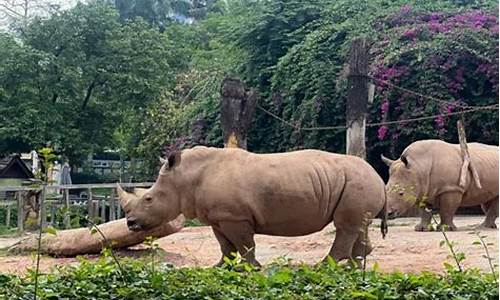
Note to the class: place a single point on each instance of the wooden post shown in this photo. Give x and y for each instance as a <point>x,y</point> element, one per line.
<point>53,211</point>
<point>112,206</point>
<point>357,97</point>
<point>20,213</point>
<point>118,208</point>
<point>67,216</point>
<point>7,218</point>
<point>90,208</point>
<point>237,108</point>
<point>103,209</point>
<point>467,163</point>
<point>41,208</point>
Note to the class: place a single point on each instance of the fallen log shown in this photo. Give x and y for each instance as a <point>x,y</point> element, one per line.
<point>72,242</point>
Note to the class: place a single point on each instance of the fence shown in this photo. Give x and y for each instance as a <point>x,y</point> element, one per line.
<point>104,206</point>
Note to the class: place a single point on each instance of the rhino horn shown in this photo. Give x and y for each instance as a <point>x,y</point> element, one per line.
<point>386,160</point>
<point>163,161</point>
<point>122,195</point>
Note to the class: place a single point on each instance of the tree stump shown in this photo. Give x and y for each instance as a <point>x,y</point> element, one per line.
<point>237,108</point>
<point>357,98</point>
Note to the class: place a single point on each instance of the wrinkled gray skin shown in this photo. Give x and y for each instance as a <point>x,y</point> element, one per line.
<point>428,172</point>
<point>240,194</point>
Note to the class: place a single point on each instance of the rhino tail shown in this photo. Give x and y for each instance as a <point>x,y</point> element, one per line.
<point>384,228</point>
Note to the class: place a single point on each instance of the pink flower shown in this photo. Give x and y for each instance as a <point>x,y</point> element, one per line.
<point>411,33</point>
<point>384,108</point>
<point>439,121</point>
<point>405,9</point>
<point>382,131</point>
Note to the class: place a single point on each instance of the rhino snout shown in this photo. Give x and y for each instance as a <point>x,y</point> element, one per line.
<point>132,224</point>
<point>392,214</point>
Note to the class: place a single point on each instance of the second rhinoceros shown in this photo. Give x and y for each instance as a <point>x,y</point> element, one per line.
<point>240,194</point>
<point>428,174</point>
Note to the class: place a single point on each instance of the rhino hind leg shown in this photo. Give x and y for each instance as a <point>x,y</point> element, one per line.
<point>449,203</point>
<point>226,247</point>
<point>362,247</point>
<point>241,234</point>
<point>343,244</point>
<point>425,221</point>
<point>491,210</point>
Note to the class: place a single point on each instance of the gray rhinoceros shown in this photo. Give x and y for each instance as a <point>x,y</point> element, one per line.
<point>240,194</point>
<point>428,174</point>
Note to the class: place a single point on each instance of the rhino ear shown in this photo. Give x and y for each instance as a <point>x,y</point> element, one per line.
<point>174,159</point>
<point>404,160</point>
<point>386,160</point>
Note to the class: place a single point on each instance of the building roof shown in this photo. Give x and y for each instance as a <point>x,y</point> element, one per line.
<point>13,167</point>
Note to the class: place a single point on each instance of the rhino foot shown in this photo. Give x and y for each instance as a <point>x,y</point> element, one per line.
<point>423,227</point>
<point>447,227</point>
<point>487,225</point>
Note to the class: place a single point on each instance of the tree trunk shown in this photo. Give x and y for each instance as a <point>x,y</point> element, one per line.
<point>79,241</point>
<point>237,108</point>
<point>357,98</point>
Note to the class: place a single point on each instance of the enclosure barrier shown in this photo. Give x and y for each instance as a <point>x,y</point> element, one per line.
<point>102,207</point>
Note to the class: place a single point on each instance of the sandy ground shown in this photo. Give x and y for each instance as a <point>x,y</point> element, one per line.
<point>403,249</point>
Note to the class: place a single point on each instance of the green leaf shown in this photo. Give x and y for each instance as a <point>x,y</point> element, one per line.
<point>363,295</point>
<point>50,230</point>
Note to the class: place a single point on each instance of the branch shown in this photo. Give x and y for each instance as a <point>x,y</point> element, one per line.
<point>10,11</point>
<point>467,164</point>
<point>89,93</point>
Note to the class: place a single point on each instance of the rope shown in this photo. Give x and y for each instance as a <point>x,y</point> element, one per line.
<point>472,109</point>
<point>298,127</point>
<point>415,93</point>
<point>343,127</point>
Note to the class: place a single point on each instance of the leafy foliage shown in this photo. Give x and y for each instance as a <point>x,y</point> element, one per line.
<point>296,54</point>
<point>102,280</point>
<point>71,76</point>
<point>110,79</point>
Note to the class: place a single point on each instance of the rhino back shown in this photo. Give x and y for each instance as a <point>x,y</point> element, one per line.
<point>485,160</point>
<point>287,194</point>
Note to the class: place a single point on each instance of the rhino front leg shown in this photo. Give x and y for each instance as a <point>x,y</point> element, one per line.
<point>425,220</point>
<point>448,205</point>
<point>226,247</point>
<point>240,234</point>
<point>490,208</point>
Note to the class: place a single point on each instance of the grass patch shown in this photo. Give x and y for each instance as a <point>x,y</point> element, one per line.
<point>7,231</point>
<point>193,223</point>
<point>102,280</point>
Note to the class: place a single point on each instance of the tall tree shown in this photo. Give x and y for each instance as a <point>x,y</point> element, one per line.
<point>73,75</point>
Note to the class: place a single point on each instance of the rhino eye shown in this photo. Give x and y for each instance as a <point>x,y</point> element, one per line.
<point>148,199</point>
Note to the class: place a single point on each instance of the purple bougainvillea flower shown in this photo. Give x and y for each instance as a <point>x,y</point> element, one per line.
<point>384,108</point>
<point>382,131</point>
<point>405,9</point>
<point>411,34</point>
<point>439,121</point>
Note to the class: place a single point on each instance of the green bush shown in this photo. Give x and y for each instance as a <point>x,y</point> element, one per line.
<point>102,280</point>
<point>13,216</point>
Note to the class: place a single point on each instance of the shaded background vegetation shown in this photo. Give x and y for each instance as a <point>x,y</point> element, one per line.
<point>141,77</point>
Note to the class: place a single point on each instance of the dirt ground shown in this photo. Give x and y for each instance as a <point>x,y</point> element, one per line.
<point>403,249</point>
